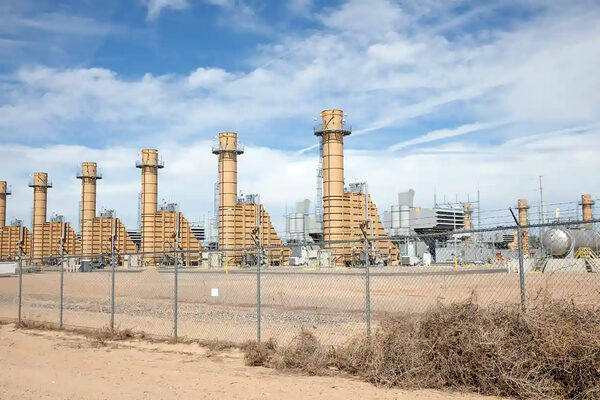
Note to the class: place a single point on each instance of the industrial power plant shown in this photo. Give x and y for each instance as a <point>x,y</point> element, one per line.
<point>345,230</point>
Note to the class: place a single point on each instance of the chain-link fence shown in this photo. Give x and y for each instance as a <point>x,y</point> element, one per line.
<point>241,294</point>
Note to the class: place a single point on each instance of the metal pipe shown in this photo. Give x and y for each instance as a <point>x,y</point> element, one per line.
<point>521,266</point>
<point>62,267</point>
<point>40,185</point>
<point>176,278</point>
<point>367,265</point>
<point>258,268</point>
<point>20,240</point>
<point>88,175</point>
<point>3,193</point>
<point>520,250</point>
<point>112,273</point>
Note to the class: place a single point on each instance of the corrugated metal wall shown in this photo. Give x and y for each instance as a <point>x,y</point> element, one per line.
<point>9,237</point>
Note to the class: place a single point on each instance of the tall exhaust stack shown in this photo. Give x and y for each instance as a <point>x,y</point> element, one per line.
<point>523,208</point>
<point>88,175</point>
<point>227,149</point>
<point>332,133</point>
<point>149,164</point>
<point>467,212</point>
<point>40,185</point>
<point>586,209</point>
<point>4,191</point>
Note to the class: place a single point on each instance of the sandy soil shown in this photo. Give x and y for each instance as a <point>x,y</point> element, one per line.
<point>60,365</point>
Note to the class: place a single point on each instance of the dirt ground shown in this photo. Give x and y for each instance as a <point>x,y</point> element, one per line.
<point>38,364</point>
<point>330,305</point>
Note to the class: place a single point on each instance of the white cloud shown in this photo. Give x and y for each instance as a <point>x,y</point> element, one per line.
<point>365,16</point>
<point>503,173</point>
<point>382,81</point>
<point>300,7</point>
<point>208,77</point>
<point>400,72</point>
<point>155,7</point>
<point>446,133</point>
<point>59,23</point>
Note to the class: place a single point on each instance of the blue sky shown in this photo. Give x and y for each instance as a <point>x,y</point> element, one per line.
<point>449,95</point>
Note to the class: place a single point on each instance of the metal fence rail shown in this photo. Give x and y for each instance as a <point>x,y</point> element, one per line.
<point>505,265</point>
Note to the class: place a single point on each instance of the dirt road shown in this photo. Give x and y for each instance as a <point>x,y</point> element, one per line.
<point>57,365</point>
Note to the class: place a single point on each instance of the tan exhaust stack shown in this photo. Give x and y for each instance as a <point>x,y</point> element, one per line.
<point>149,164</point>
<point>227,149</point>
<point>586,207</point>
<point>332,132</point>
<point>4,191</point>
<point>40,185</point>
<point>467,216</point>
<point>88,175</point>
<point>523,208</point>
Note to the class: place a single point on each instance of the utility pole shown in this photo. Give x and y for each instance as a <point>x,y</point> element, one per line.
<point>478,209</point>
<point>176,277</point>
<point>258,266</point>
<point>541,213</point>
<point>541,201</point>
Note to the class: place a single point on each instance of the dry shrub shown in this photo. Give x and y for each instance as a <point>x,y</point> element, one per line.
<point>257,354</point>
<point>29,324</point>
<point>551,351</point>
<point>304,353</point>
<point>115,334</point>
<point>213,346</point>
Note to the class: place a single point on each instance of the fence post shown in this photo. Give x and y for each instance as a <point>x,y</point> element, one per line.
<point>112,275</point>
<point>367,265</point>
<point>20,251</point>
<point>521,269</point>
<point>62,267</point>
<point>176,279</point>
<point>258,266</point>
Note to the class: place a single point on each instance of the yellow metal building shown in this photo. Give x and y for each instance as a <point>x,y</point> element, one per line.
<point>238,222</point>
<point>343,212</point>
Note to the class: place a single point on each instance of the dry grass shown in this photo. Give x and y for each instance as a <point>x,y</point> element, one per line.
<point>257,354</point>
<point>552,351</point>
<point>104,335</point>
<point>29,324</point>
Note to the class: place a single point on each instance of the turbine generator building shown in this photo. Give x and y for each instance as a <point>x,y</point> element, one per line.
<point>159,227</point>
<point>96,232</point>
<point>47,235</point>
<point>238,219</point>
<point>10,236</point>
<point>344,211</point>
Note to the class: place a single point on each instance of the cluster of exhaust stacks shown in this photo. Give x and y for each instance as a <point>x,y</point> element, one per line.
<point>240,225</point>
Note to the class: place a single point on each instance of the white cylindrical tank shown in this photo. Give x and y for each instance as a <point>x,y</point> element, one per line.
<point>562,241</point>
